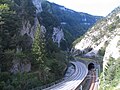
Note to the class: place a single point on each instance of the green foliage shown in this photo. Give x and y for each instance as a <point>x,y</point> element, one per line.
<point>102,51</point>
<point>25,9</point>
<point>22,42</point>
<point>4,8</point>
<point>9,33</point>
<point>77,40</point>
<point>49,21</point>
<point>73,26</point>
<point>38,48</point>
<point>51,47</point>
<point>42,55</point>
<point>45,6</point>
<point>19,81</point>
<point>64,45</point>
<point>60,56</point>
<point>49,64</point>
<point>112,74</point>
<point>4,76</point>
<point>69,39</point>
<point>57,69</point>
<point>9,28</point>
<point>6,60</point>
<point>115,24</point>
<point>112,27</point>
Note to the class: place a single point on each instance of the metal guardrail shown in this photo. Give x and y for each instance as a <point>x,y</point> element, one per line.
<point>49,85</point>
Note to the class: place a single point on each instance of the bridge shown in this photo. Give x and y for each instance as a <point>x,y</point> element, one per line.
<point>72,82</point>
<point>78,78</point>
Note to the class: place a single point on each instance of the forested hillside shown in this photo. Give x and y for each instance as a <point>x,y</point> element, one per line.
<point>34,39</point>
<point>27,58</point>
<point>74,24</point>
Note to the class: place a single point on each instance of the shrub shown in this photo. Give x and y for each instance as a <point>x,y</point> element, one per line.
<point>4,76</point>
<point>102,51</point>
<point>112,74</point>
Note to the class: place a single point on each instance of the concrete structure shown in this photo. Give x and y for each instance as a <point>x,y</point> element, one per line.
<point>72,82</point>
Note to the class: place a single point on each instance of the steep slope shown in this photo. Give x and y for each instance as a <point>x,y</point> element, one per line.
<point>103,39</point>
<point>100,34</point>
<point>30,45</point>
<point>73,24</point>
<point>28,56</point>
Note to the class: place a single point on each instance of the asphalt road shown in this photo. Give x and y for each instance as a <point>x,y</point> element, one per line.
<point>72,82</point>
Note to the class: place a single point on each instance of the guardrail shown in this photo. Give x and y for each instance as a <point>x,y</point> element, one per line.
<point>72,82</point>
<point>51,84</point>
<point>48,85</point>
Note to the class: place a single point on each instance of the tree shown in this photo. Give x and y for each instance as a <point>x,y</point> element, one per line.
<point>38,50</point>
<point>26,10</point>
<point>112,74</point>
<point>38,47</point>
<point>9,31</point>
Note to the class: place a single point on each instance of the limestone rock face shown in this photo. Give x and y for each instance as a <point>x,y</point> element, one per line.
<point>112,50</point>
<point>29,29</point>
<point>43,29</point>
<point>100,35</point>
<point>20,66</point>
<point>37,4</point>
<point>103,40</point>
<point>58,35</point>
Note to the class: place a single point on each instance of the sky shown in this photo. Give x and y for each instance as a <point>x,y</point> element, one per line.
<point>93,7</point>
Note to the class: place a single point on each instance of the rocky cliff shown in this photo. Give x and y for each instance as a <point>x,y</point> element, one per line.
<point>72,23</point>
<point>29,46</point>
<point>103,39</point>
<point>57,29</point>
<point>100,35</point>
<point>28,29</point>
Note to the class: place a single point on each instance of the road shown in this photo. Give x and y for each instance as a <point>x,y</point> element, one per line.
<point>72,82</point>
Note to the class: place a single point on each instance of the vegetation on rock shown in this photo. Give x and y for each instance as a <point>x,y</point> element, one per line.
<point>46,59</point>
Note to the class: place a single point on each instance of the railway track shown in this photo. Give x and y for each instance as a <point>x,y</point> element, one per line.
<point>92,86</point>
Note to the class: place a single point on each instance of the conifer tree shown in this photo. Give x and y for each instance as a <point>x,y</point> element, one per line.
<point>38,50</point>
<point>9,31</point>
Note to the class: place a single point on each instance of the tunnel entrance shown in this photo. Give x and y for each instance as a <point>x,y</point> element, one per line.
<point>91,66</point>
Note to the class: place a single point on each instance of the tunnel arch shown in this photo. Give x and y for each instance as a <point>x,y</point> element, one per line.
<point>91,66</point>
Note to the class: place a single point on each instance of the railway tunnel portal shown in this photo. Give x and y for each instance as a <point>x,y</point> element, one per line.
<point>91,66</point>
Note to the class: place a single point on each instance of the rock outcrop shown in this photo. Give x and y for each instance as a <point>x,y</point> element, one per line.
<point>112,50</point>
<point>21,67</point>
<point>100,35</point>
<point>27,27</point>
<point>58,35</point>
<point>103,40</point>
<point>37,4</point>
<point>29,30</point>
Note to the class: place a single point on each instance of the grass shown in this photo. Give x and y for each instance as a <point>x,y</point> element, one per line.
<point>85,59</point>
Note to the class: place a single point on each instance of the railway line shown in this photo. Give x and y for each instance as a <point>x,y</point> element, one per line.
<point>92,86</point>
